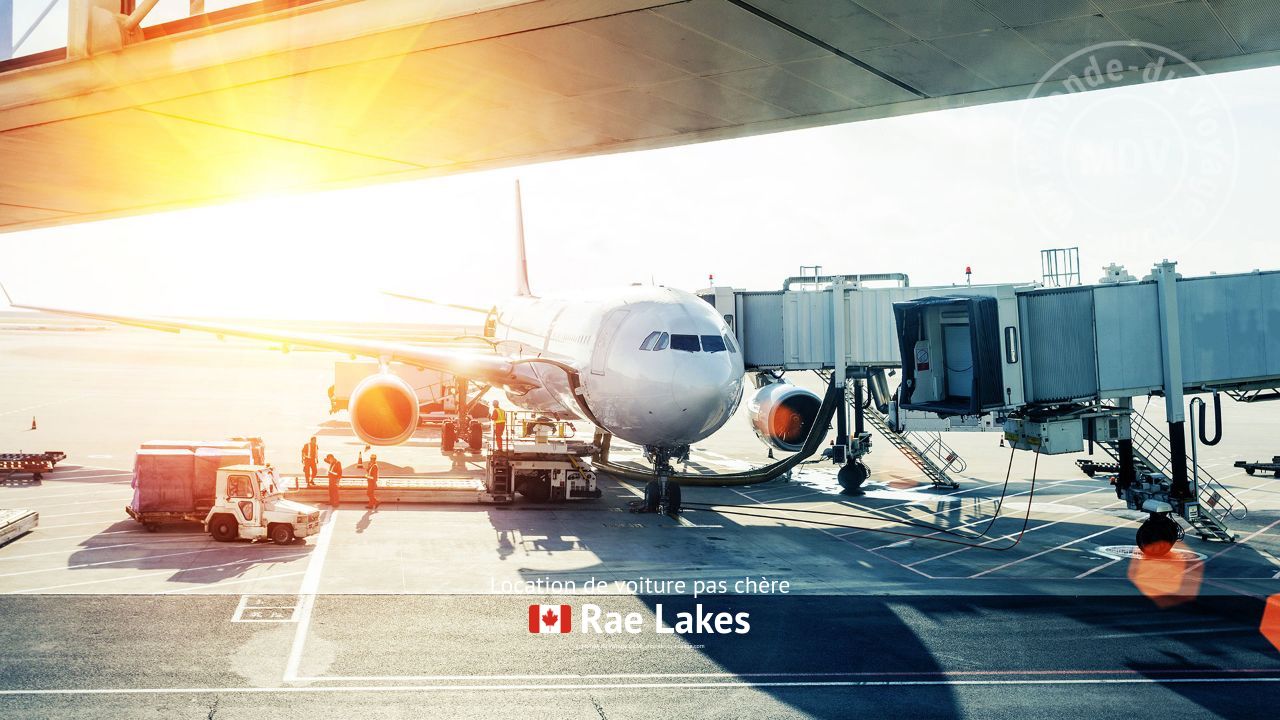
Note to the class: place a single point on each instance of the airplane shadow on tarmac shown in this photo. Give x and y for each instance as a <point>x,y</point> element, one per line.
<point>1171,629</point>
<point>198,561</point>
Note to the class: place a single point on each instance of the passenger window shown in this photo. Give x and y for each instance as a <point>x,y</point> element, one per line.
<point>238,486</point>
<point>712,343</point>
<point>687,343</point>
<point>662,342</point>
<point>649,341</point>
<point>728,342</point>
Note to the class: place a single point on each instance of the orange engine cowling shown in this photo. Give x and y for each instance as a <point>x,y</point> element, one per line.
<point>782,414</point>
<point>384,410</point>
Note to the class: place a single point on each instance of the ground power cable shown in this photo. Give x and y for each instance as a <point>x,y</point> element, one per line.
<point>1026,518</point>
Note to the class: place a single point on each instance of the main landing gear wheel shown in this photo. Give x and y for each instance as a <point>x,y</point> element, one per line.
<point>1157,535</point>
<point>475,437</point>
<point>448,437</point>
<point>852,475</point>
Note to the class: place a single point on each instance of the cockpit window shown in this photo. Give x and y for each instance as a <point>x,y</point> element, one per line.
<point>712,343</point>
<point>728,341</point>
<point>663,342</point>
<point>649,341</point>
<point>687,343</point>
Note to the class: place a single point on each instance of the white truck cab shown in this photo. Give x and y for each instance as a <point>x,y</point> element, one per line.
<point>249,505</point>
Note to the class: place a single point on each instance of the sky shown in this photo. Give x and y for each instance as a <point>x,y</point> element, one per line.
<point>1184,170</point>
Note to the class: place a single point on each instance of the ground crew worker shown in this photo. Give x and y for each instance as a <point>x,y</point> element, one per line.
<point>371,480</point>
<point>311,461</point>
<point>335,477</point>
<point>499,417</point>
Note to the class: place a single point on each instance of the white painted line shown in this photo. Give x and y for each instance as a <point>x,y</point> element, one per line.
<point>107,562</point>
<point>235,616</point>
<point>310,586</point>
<point>169,571</point>
<point>77,549</point>
<point>1011,536</point>
<point>1046,552</point>
<point>213,588</point>
<point>81,493</point>
<point>113,509</point>
<point>254,617</point>
<point>959,508</point>
<point>347,689</point>
<point>1103,566</point>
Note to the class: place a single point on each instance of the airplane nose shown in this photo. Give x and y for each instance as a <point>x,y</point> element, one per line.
<point>705,398</point>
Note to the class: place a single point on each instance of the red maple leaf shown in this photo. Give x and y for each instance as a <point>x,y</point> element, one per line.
<point>549,617</point>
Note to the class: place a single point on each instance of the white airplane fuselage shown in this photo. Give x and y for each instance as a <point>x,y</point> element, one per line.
<point>656,366</point>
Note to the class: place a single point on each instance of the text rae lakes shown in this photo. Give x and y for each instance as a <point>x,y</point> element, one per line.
<point>595,620</point>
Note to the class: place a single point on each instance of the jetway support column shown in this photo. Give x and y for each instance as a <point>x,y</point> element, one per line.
<point>1124,449</point>
<point>1171,351</point>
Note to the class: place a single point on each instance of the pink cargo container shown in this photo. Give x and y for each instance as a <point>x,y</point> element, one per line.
<point>162,480</point>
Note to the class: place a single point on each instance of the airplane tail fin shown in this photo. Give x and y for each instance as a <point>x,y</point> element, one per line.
<point>522,263</point>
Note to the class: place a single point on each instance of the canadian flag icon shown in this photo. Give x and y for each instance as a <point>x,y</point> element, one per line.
<point>550,618</point>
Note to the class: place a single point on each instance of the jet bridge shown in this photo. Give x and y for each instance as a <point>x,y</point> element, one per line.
<point>842,327</point>
<point>1077,357</point>
<point>1056,368</point>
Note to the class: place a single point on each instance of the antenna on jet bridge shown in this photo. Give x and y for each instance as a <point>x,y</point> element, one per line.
<point>522,262</point>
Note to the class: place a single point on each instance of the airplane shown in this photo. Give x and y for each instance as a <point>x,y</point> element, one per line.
<point>652,365</point>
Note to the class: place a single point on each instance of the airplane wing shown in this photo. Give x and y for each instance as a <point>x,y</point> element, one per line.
<point>490,368</point>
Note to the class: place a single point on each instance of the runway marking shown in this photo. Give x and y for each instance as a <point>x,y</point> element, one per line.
<point>1046,552</point>
<point>951,510</point>
<point>246,613</point>
<point>834,536</point>
<point>1103,566</point>
<point>106,562</point>
<point>82,493</point>
<point>170,571</point>
<point>211,589</point>
<point>86,512</point>
<point>347,689</point>
<point>95,547</point>
<point>308,590</point>
<point>1013,535</point>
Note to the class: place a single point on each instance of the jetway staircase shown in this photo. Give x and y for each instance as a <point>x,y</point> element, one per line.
<point>1151,456</point>
<point>925,450</point>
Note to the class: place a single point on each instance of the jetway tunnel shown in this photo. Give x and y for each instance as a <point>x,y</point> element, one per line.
<point>1055,368</point>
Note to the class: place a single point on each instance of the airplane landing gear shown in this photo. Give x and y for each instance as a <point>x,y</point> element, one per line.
<point>662,494</point>
<point>1157,535</point>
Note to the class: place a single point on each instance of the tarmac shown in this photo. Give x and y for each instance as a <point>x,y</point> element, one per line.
<point>998,599</point>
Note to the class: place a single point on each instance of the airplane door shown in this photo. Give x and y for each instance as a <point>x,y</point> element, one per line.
<point>604,341</point>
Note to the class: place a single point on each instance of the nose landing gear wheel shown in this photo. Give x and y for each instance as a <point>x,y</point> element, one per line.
<point>651,498</point>
<point>448,436</point>
<point>1157,535</point>
<point>852,475</point>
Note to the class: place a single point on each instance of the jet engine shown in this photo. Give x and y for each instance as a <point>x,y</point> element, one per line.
<point>782,414</point>
<point>384,410</point>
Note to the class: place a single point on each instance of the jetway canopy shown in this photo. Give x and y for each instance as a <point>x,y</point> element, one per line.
<point>285,95</point>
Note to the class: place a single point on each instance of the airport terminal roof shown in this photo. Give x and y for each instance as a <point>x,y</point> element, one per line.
<point>289,95</point>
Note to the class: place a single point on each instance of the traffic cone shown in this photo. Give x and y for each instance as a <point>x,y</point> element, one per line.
<point>360,459</point>
<point>33,422</point>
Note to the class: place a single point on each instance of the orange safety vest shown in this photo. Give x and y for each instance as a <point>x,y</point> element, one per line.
<point>499,416</point>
